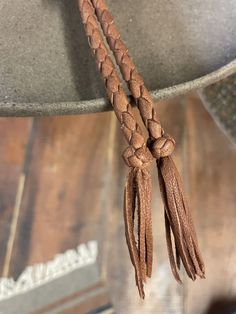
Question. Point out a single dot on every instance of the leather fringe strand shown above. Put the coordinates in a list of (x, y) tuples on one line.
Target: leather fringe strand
[(137, 204), (178, 219)]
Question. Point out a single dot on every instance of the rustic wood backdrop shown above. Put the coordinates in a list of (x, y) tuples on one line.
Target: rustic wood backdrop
[(60, 185)]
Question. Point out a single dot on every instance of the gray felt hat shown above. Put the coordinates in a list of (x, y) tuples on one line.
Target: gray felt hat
[(47, 69)]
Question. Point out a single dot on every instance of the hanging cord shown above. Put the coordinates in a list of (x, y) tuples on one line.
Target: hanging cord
[(137, 195), (137, 156), (178, 218), (177, 214)]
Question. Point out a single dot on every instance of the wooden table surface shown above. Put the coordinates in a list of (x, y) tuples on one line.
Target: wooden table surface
[(60, 186)]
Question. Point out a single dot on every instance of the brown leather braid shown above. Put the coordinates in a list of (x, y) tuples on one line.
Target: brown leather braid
[(177, 215), (161, 144), (178, 218), (137, 156)]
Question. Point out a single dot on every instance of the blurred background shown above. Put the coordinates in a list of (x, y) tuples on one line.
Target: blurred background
[(62, 184)]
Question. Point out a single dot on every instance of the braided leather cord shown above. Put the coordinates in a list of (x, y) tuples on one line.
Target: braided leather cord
[(161, 144), (177, 214), (137, 154)]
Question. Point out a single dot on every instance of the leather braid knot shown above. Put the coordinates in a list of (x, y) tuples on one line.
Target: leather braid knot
[(139, 158), (162, 146)]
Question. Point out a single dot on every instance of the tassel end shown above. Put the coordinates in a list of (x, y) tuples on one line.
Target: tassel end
[(137, 202), (179, 222)]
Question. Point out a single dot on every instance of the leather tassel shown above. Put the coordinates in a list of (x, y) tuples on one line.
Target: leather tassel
[(139, 155), (137, 202), (178, 219)]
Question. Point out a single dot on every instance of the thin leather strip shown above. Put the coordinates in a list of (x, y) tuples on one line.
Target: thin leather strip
[(148, 226), (140, 185), (161, 146), (137, 189), (178, 218), (143, 182), (173, 263), (129, 213), (137, 195)]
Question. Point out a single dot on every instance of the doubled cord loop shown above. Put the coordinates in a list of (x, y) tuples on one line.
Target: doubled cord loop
[(177, 213), (138, 156)]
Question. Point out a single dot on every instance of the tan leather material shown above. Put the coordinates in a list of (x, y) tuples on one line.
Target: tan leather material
[(137, 191), (140, 158), (129, 72), (179, 220), (115, 92), (139, 155), (161, 145)]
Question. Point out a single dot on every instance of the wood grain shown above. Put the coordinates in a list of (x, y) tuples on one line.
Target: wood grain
[(13, 142), (65, 188), (212, 180)]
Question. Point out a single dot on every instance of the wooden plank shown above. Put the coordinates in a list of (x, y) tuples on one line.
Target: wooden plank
[(212, 179), (66, 188), (13, 141)]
